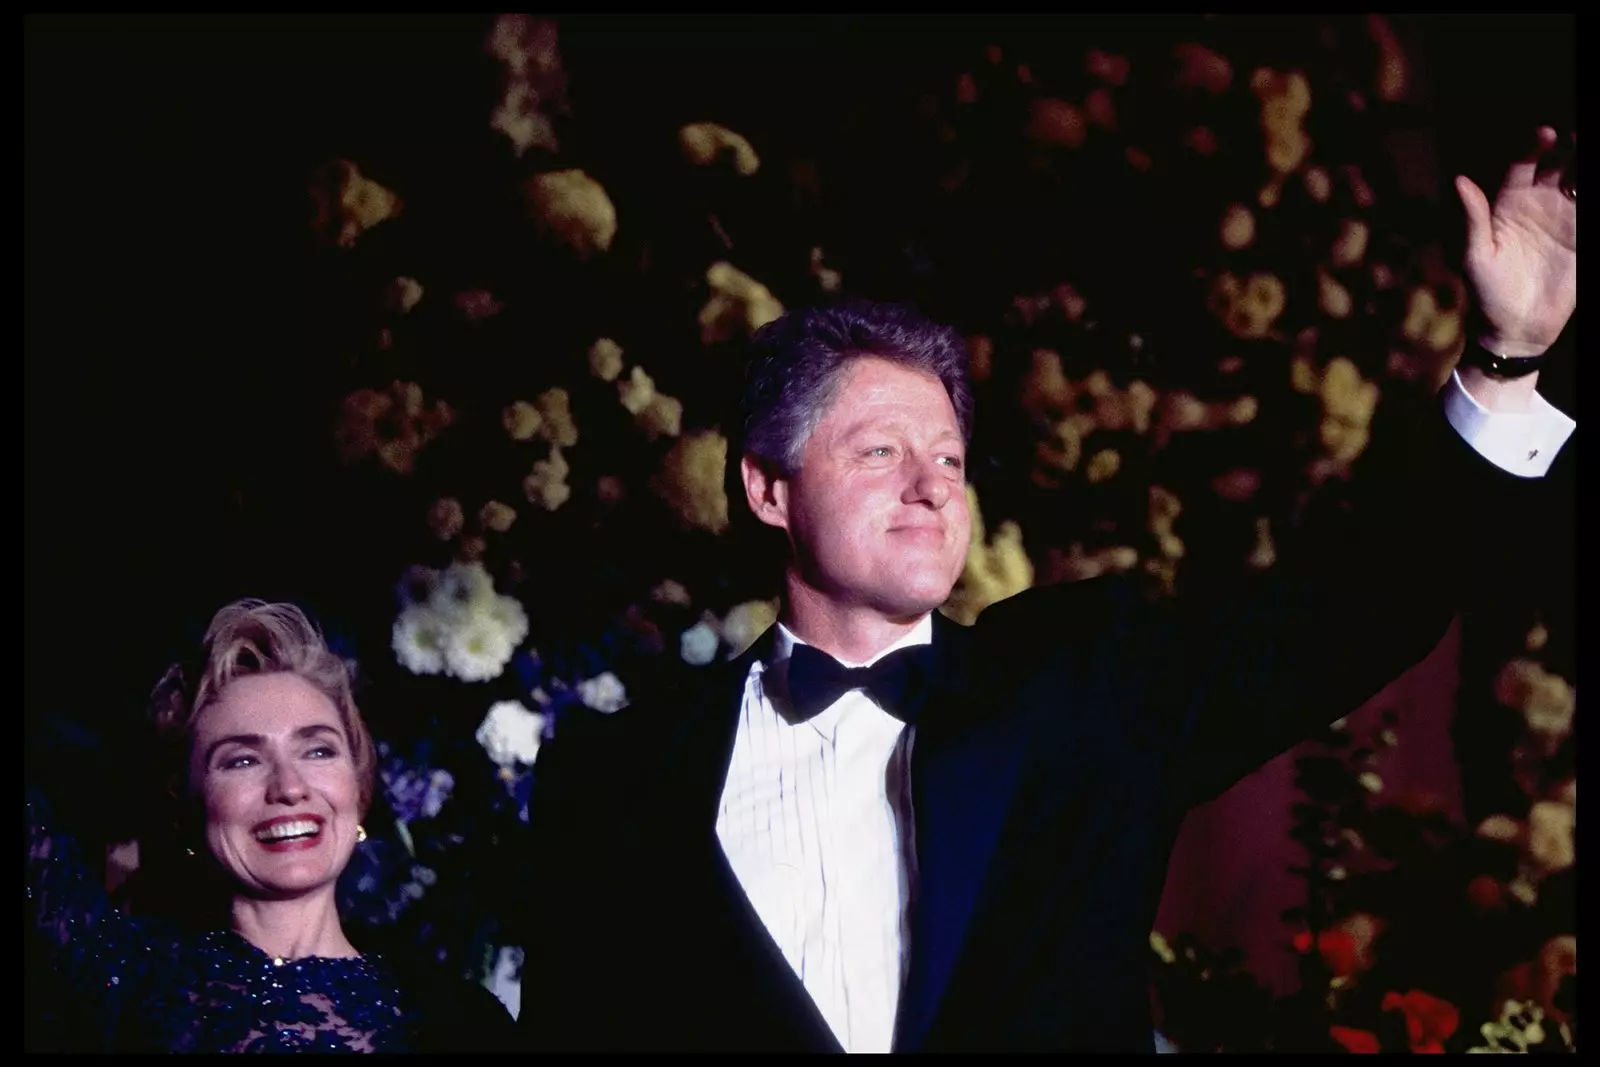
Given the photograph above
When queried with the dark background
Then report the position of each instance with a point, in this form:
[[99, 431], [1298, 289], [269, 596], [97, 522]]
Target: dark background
[[169, 322]]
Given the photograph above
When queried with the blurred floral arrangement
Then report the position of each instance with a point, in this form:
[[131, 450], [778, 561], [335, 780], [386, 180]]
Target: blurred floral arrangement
[[1414, 924], [1191, 235]]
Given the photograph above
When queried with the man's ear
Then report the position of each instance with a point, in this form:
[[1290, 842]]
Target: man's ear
[[765, 491]]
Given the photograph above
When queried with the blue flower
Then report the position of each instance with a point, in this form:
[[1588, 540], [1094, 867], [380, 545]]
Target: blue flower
[[521, 792], [529, 670], [416, 794]]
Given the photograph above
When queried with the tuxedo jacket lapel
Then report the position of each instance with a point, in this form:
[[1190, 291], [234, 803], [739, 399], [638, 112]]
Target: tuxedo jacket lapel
[[755, 981], [963, 775]]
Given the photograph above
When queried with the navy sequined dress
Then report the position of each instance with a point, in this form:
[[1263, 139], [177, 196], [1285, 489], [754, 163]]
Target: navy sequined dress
[[140, 984]]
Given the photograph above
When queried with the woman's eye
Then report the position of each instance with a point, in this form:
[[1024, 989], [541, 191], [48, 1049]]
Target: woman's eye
[[322, 752], [881, 451], [235, 762]]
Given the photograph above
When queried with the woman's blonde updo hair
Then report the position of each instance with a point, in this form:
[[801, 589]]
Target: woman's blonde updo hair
[[253, 637]]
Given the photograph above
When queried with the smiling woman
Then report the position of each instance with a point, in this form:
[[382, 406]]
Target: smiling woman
[[266, 769]]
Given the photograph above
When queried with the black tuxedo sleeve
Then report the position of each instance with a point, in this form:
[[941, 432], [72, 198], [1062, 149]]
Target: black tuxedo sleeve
[[565, 889], [1223, 680], [1363, 598]]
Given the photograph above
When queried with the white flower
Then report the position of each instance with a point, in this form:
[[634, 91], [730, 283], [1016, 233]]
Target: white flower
[[454, 622], [462, 585], [507, 613], [477, 649], [505, 981], [419, 639], [510, 733], [603, 693], [698, 645]]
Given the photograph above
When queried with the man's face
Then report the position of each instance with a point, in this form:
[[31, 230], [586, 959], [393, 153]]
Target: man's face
[[877, 514]]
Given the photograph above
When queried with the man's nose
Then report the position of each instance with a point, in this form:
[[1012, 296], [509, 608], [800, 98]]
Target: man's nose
[[928, 484]]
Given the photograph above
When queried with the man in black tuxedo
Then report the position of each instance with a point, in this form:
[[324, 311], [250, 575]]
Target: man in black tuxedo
[[958, 841]]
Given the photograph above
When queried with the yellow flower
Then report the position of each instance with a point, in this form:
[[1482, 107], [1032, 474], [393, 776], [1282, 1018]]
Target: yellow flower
[[662, 418], [828, 280], [1238, 227], [1550, 841], [1319, 186], [1332, 298], [497, 516], [605, 359], [738, 303], [690, 481], [547, 485], [1103, 466], [1428, 324], [403, 295], [555, 410], [1502, 828], [1351, 243], [637, 392], [1164, 511], [746, 622], [574, 208], [1285, 99], [1075, 564], [533, 81], [1546, 701], [521, 420], [704, 142], [345, 204], [1247, 308]]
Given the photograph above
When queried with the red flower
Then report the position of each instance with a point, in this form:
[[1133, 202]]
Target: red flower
[[1336, 947], [1339, 953], [1429, 1020], [1354, 1040]]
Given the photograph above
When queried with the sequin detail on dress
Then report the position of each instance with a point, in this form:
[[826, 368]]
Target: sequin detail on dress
[[155, 989]]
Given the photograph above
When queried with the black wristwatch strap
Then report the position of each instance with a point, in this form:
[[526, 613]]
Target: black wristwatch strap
[[1503, 366]]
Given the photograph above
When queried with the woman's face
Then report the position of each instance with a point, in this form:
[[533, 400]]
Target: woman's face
[[275, 770]]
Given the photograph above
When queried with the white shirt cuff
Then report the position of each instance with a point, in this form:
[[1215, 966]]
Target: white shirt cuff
[[1523, 443]]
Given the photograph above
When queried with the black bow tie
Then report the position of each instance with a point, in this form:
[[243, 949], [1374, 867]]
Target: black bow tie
[[898, 681]]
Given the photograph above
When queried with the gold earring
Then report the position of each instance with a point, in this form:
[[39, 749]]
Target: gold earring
[[361, 833]]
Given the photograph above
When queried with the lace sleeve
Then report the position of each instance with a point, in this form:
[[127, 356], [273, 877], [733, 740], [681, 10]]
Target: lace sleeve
[[94, 953]]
